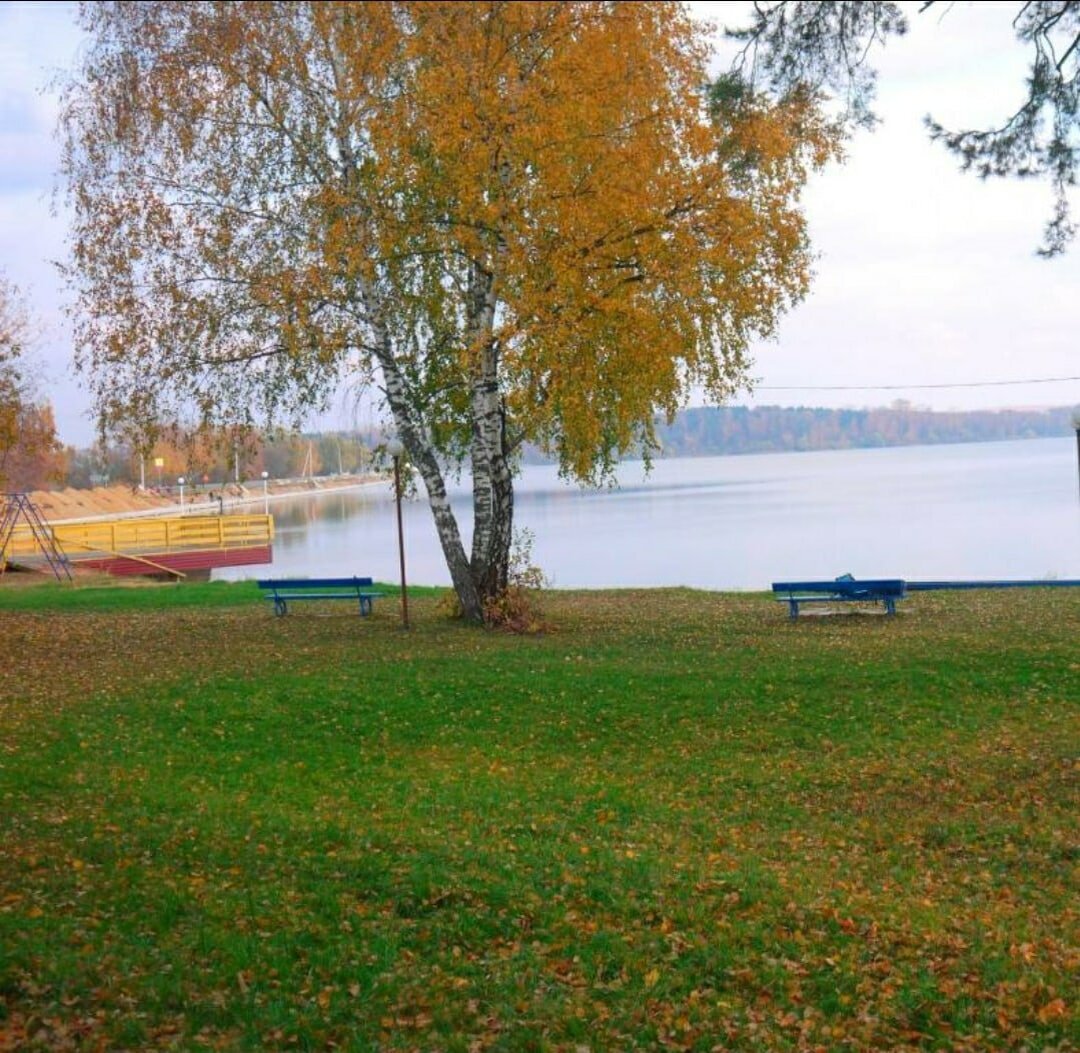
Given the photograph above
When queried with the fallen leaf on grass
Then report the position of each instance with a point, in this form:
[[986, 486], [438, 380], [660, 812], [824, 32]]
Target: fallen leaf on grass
[[1052, 1011]]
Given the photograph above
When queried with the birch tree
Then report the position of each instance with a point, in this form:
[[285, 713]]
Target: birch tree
[[522, 221]]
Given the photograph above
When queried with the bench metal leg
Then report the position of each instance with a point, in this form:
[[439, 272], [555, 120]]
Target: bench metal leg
[[279, 607], [793, 609], [890, 606], [365, 606]]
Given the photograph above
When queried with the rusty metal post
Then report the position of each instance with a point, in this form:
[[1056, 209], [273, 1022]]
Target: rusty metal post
[[396, 448], [1076, 425]]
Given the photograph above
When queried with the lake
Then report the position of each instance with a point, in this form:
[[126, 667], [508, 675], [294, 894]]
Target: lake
[[986, 510]]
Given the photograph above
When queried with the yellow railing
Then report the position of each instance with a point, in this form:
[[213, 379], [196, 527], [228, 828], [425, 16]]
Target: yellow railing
[[165, 534]]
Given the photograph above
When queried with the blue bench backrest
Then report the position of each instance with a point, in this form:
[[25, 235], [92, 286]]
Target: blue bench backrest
[[282, 584], [867, 587]]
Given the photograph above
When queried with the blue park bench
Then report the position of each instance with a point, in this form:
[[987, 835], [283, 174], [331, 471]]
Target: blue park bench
[[284, 590], [843, 590]]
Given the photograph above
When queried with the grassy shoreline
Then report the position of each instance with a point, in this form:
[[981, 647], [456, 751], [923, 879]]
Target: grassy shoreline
[[676, 821]]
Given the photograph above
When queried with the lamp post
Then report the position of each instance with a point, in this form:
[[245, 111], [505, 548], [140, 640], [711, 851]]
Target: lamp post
[[181, 482], [266, 495], [1076, 427], [395, 447]]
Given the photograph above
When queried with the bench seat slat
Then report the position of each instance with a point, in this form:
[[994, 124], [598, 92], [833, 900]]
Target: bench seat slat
[[328, 595], [818, 598]]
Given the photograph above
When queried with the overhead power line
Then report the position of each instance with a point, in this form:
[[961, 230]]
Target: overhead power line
[[912, 387]]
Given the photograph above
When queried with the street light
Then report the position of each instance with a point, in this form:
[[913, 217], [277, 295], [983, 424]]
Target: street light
[[395, 447], [266, 495], [181, 482]]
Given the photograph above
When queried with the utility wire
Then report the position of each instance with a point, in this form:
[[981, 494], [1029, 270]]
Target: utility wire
[[911, 387]]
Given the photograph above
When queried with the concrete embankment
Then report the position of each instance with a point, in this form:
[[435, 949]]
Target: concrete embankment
[[115, 502]]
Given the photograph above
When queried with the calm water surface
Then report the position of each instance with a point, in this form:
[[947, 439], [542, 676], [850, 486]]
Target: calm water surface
[[987, 510]]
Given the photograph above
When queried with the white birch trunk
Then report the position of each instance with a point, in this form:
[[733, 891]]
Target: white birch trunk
[[493, 495], [422, 455]]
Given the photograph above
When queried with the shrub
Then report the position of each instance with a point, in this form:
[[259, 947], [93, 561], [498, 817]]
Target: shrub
[[516, 608]]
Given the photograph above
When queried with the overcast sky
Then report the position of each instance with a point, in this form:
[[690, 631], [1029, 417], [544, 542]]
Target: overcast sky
[[924, 275]]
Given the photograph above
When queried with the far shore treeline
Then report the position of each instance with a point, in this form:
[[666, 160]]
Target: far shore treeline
[[710, 431], [698, 432]]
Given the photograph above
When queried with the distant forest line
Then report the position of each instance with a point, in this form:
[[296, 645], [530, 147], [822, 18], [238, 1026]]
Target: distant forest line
[[715, 430], [694, 433]]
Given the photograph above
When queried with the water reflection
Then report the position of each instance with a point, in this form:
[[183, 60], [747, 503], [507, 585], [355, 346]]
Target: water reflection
[[986, 510], [297, 515]]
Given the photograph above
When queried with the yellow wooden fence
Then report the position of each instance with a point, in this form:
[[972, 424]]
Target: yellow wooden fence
[[158, 534]]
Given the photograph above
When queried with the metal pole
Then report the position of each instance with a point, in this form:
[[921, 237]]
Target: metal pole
[[401, 543], [1076, 421], [1076, 426]]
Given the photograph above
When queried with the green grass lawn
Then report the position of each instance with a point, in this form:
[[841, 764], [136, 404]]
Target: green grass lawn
[[676, 821]]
